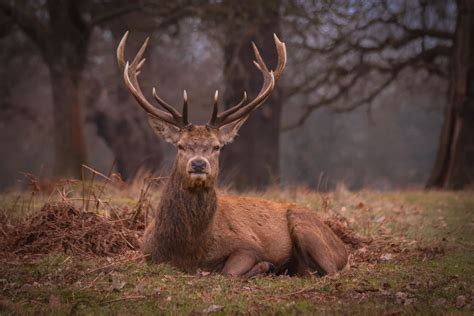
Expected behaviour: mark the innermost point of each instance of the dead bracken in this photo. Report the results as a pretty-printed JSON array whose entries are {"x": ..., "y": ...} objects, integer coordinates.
[{"x": 61, "y": 228}]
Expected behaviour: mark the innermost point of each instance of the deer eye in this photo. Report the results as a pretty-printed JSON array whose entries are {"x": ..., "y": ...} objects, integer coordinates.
[
  {"x": 216, "y": 148},
  {"x": 180, "y": 147}
]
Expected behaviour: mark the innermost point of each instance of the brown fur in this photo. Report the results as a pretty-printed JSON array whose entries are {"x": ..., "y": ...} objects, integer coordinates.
[{"x": 195, "y": 227}]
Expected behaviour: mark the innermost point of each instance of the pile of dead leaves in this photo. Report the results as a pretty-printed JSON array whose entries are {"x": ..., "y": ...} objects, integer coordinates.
[{"x": 61, "y": 228}]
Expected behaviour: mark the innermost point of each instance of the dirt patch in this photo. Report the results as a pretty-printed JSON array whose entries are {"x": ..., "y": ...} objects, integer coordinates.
[{"x": 61, "y": 228}]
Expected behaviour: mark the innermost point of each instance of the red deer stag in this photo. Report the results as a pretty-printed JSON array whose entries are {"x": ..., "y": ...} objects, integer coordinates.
[{"x": 195, "y": 227}]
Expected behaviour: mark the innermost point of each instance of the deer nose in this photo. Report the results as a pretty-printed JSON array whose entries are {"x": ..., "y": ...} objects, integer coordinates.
[{"x": 198, "y": 165}]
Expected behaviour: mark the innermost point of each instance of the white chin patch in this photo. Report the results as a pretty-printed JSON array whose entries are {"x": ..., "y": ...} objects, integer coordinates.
[{"x": 198, "y": 176}]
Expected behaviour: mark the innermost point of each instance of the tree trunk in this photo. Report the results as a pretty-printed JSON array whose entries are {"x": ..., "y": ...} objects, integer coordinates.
[
  {"x": 65, "y": 53},
  {"x": 126, "y": 130},
  {"x": 454, "y": 166},
  {"x": 252, "y": 161},
  {"x": 69, "y": 144},
  {"x": 131, "y": 141}
]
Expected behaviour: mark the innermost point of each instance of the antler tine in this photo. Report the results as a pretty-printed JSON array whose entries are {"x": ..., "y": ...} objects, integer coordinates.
[
  {"x": 269, "y": 84},
  {"x": 212, "y": 121},
  {"x": 260, "y": 64},
  {"x": 281, "y": 51},
  {"x": 233, "y": 109},
  {"x": 142, "y": 101},
  {"x": 185, "y": 109},
  {"x": 130, "y": 74},
  {"x": 121, "y": 52},
  {"x": 242, "y": 109},
  {"x": 138, "y": 60},
  {"x": 269, "y": 80},
  {"x": 140, "y": 64},
  {"x": 166, "y": 106}
]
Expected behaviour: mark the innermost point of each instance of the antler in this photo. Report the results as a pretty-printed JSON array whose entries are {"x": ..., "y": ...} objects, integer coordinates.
[
  {"x": 243, "y": 109},
  {"x": 130, "y": 74}
]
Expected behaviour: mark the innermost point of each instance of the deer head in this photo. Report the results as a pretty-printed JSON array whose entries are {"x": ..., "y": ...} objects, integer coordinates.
[{"x": 197, "y": 161}]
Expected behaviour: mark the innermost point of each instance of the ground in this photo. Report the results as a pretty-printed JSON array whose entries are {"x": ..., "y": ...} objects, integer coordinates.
[{"x": 417, "y": 259}]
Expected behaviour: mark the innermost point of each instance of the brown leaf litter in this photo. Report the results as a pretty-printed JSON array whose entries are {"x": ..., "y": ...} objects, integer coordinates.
[
  {"x": 61, "y": 228},
  {"x": 376, "y": 249}
]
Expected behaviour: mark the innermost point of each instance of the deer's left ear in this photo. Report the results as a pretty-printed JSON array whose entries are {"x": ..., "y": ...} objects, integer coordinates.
[
  {"x": 166, "y": 131},
  {"x": 229, "y": 131}
]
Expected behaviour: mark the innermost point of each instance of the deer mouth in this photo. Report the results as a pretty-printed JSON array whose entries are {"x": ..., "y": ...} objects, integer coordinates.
[
  {"x": 198, "y": 176},
  {"x": 198, "y": 172}
]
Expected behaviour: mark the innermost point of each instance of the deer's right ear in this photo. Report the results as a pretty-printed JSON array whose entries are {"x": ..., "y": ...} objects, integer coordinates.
[
  {"x": 168, "y": 132},
  {"x": 229, "y": 132}
]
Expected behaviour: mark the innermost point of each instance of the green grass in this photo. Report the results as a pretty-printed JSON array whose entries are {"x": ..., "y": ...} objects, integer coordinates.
[{"x": 434, "y": 268}]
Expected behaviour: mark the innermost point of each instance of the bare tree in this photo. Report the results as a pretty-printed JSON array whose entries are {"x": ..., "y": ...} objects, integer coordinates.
[
  {"x": 356, "y": 50},
  {"x": 121, "y": 131},
  {"x": 346, "y": 54},
  {"x": 454, "y": 167},
  {"x": 61, "y": 30},
  {"x": 253, "y": 161}
]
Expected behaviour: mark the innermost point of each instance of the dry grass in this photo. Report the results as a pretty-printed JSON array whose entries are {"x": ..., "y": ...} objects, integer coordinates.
[{"x": 72, "y": 248}]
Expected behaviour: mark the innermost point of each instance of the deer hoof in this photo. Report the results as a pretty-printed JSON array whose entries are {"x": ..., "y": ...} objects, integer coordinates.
[{"x": 271, "y": 267}]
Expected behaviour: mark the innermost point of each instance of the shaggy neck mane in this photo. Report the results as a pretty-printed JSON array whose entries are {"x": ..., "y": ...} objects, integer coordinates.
[{"x": 183, "y": 218}]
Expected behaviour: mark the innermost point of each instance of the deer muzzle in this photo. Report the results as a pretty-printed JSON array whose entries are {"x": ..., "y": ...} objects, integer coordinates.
[{"x": 198, "y": 168}]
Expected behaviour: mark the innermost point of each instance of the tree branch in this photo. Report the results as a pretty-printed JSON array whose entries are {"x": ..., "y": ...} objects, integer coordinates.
[
  {"x": 357, "y": 43},
  {"x": 112, "y": 14},
  {"x": 394, "y": 70},
  {"x": 32, "y": 26}
]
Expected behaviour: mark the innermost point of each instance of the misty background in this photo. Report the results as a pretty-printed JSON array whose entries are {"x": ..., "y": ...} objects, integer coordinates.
[{"x": 388, "y": 142}]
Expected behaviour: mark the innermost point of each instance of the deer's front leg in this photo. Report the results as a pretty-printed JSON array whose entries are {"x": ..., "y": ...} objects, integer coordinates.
[
  {"x": 244, "y": 264},
  {"x": 260, "y": 268}
]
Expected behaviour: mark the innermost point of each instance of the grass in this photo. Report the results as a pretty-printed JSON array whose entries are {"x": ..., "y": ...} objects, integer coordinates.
[{"x": 432, "y": 272}]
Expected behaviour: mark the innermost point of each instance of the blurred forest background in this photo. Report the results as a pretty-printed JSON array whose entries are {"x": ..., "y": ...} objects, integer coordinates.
[{"x": 376, "y": 93}]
